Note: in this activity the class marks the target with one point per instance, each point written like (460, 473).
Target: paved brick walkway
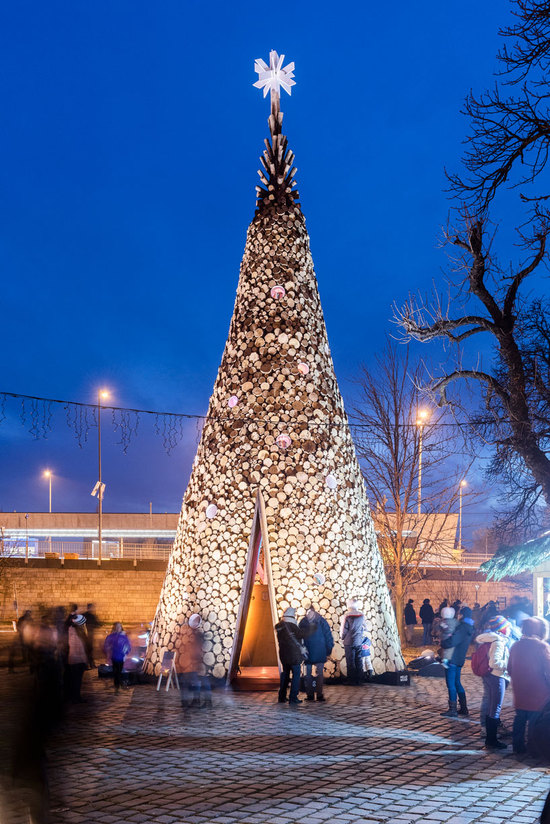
(370, 754)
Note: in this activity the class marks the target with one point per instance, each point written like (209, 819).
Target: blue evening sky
(130, 137)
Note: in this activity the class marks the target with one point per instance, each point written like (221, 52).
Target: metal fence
(76, 550)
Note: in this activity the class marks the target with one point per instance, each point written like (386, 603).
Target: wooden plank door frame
(258, 538)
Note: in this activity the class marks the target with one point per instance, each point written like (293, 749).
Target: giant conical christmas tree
(276, 425)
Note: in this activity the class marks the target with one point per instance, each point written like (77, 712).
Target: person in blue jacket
(459, 642)
(319, 643)
(116, 647)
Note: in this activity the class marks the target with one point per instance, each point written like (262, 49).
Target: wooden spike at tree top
(277, 158)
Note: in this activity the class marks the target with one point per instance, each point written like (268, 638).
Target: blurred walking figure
(410, 621)
(116, 647)
(291, 654)
(495, 647)
(319, 643)
(78, 657)
(529, 668)
(39, 711)
(21, 646)
(194, 684)
(427, 617)
(352, 632)
(92, 623)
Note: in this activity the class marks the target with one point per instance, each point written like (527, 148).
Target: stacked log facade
(276, 379)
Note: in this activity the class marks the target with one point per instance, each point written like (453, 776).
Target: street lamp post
(460, 488)
(102, 393)
(420, 422)
(48, 474)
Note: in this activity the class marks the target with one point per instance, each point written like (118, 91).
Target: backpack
(480, 660)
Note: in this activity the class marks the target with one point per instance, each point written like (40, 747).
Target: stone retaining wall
(120, 590)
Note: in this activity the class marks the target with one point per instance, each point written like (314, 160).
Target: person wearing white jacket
(497, 678)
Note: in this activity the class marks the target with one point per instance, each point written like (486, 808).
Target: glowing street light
(99, 488)
(421, 417)
(463, 483)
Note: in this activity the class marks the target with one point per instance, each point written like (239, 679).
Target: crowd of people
(310, 642)
(61, 644)
(56, 646)
(508, 649)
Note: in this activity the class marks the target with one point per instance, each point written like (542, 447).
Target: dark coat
(529, 668)
(288, 638)
(410, 615)
(460, 640)
(317, 638)
(427, 614)
(353, 628)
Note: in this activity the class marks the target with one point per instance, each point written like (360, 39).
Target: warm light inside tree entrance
(254, 661)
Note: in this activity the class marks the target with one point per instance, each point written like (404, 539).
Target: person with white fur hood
(352, 632)
(496, 678)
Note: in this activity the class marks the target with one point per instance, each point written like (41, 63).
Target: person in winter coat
(497, 678)
(194, 683)
(352, 633)
(319, 643)
(289, 639)
(457, 644)
(116, 648)
(410, 621)
(529, 668)
(427, 616)
(447, 625)
(78, 657)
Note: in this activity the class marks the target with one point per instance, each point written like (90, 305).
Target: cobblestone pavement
(370, 754)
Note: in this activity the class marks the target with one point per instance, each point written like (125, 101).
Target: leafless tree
(509, 138)
(516, 388)
(387, 436)
(508, 145)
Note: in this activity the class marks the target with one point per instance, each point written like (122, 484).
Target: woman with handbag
(291, 654)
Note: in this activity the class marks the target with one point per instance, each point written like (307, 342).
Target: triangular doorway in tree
(254, 662)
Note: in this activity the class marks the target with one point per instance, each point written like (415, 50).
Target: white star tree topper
(271, 78)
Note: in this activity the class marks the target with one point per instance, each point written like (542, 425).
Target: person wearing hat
(78, 658)
(410, 621)
(455, 646)
(352, 633)
(529, 668)
(291, 655)
(497, 678)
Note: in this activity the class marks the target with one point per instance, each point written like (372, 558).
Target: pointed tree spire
(277, 160)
